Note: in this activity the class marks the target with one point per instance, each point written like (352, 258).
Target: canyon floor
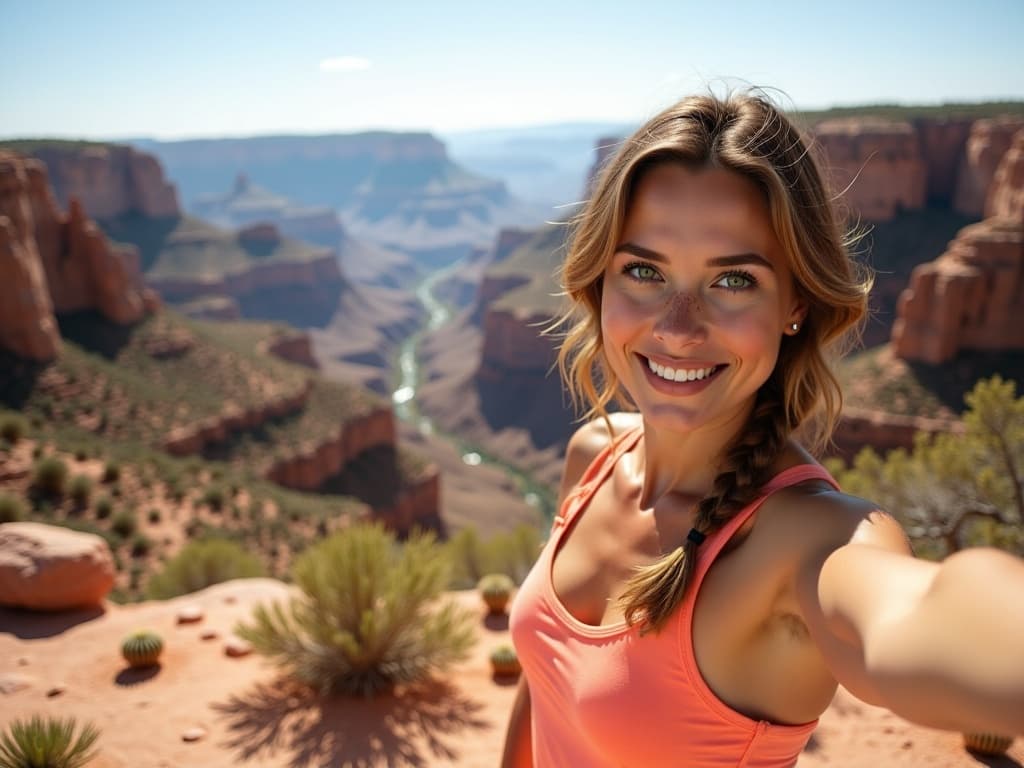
(247, 714)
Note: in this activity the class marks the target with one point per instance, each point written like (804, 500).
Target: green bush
(200, 564)
(140, 545)
(13, 427)
(104, 506)
(368, 616)
(12, 509)
(214, 497)
(80, 490)
(510, 552)
(47, 743)
(50, 476)
(124, 523)
(111, 472)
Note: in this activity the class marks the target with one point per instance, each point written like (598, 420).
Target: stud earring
(794, 327)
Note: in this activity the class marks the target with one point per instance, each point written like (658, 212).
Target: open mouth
(681, 374)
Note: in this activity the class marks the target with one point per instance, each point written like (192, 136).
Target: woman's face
(696, 297)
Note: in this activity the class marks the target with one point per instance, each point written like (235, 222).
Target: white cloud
(344, 64)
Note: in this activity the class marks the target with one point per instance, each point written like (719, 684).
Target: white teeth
(679, 374)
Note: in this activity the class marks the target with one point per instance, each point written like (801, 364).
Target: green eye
(642, 272)
(737, 281)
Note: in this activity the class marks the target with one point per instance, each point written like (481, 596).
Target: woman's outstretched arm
(940, 644)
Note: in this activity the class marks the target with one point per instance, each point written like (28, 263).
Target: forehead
(709, 205)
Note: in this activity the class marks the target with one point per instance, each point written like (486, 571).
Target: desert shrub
(509, 552)
(153, 515)
(50, 476)
(37, 452)
(47, 743)
(368, 616)
(13, 427)
(213, 497)
(112, 472)
(200, 564)
(140, 545)
(80, 490)
(124, 523)
(12, 509)
(81, 454)
(104, 506)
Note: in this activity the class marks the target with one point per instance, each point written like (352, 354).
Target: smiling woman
(706, 585)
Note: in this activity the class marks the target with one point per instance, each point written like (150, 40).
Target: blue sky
(187, 69)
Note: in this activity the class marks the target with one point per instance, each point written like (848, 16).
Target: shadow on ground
(408, 728)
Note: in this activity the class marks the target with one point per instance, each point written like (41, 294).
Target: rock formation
(294, 347)
(970, 297)
(50, 568)
(1005, 197)
(52, 264)
(109, 180)
(882, 431)
(878, 163)
(942, 143)
(986, 146)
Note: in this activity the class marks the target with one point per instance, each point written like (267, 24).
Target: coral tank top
(603, 696)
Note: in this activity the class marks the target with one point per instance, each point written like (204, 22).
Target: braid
(655, 590)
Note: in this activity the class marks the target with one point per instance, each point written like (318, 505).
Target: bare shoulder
(588, 441)
(811, 520)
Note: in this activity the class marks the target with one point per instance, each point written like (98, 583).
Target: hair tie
(695, 536)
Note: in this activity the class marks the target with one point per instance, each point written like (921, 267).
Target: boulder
(46, 567)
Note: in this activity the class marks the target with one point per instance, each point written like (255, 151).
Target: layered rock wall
(109, 180)
(879, 164)
(859, 428)
(970, 298)
(986, 146)
(66, 258)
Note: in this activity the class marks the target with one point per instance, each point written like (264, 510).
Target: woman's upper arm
(855, 584)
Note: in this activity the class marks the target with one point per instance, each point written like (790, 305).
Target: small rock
(209, 634)
(230, 599)
(23, 661)
(190, 614)
(13, 682)
(56, 690)
(907, 744)
(193, 734)
(237, 647)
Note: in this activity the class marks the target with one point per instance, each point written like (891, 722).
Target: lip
(679, 387)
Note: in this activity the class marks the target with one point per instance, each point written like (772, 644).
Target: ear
(797, 314)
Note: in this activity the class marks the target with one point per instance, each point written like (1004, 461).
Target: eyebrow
(732, 260)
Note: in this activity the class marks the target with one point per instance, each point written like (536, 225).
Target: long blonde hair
(747, 134)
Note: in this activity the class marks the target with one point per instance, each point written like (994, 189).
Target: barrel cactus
(987, 743)
(496, 589)
(505, 662)
(142, 648)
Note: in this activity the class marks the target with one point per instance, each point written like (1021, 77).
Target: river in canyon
(406, 380)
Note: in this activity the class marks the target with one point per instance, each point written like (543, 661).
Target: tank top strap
(791, 476)
(595, 474)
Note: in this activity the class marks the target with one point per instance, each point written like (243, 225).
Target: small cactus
(496, 589)
(987, 743)
(142, 648)
(505, 662)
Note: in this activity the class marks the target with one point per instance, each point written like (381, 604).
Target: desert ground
(241, 711)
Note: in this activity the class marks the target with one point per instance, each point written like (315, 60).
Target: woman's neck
(684, 463)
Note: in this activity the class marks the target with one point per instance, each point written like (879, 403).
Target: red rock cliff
(942, 145)
(81, 269)
(1005, 197)
(109, 180)
(878, 163)
(987, 144)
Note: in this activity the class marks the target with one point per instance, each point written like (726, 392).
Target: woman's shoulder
(589, 440)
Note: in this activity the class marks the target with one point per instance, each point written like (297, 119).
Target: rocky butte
(51, 263)
(970, 298)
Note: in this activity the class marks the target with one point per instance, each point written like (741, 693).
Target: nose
(681, 321)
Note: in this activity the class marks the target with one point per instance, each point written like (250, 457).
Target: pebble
(190, 614)
(13, 682)
(209, 634)
(56, 690)
(23, 661)
(193, 734)
(237, 647)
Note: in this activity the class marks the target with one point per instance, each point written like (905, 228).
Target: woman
(706, 584)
